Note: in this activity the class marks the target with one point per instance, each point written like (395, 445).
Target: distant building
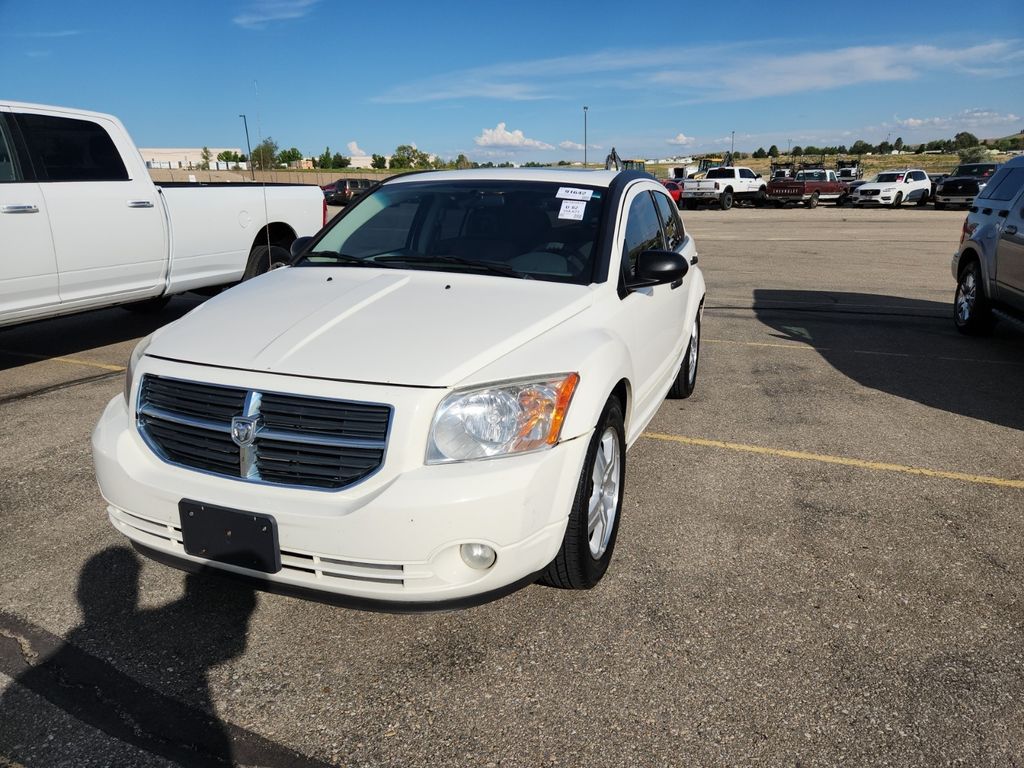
(187, 158)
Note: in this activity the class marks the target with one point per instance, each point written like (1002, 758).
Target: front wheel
(686, 378)
(971, 311)
(812, 202)
(898, 200)
(725, 201)
(593, 524)
(922, 200)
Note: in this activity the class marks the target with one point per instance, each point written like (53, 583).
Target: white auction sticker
(573, 193)
(572, 209)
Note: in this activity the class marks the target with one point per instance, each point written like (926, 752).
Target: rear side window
(670, 219)
(8, 163)
(643, 231)
(65, 149)
(720, 173)
(1004, 186)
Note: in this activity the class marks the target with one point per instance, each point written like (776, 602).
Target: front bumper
(954, 199)
(394, 538)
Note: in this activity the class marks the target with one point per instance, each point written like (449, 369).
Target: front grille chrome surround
(259, 436)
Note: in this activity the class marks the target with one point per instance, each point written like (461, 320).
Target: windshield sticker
(572, 193)
(572, 209)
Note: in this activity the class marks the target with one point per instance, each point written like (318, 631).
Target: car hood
(388, 326)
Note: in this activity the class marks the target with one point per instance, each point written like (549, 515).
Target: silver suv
(989, 264)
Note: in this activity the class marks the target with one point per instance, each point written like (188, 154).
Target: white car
(431, 406)
(894, 188)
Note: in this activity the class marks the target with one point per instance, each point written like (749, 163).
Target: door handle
(1011, 229)
(140, 204)
(19, 209)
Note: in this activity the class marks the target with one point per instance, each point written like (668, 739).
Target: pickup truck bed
(809, 188)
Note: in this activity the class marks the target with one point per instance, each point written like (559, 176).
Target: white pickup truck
(83, 225)
(724, 186)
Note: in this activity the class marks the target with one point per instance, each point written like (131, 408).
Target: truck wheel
(813, 201)
(690, 205)
(594, 518)
(971, 311)
(898, 200)
(842, 200)
(686, 379)
(761, 197)
(725, 201)
(264, 258)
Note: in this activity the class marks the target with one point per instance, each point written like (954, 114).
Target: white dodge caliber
(430, 407)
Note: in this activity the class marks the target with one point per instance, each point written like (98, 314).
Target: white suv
(893, 188)
(431, 405)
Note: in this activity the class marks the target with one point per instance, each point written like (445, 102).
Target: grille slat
(300, 447)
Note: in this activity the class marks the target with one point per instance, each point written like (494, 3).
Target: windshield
(525, 229)
(977, 170)
(888, 178)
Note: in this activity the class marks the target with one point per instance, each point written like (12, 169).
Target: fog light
(478, 556)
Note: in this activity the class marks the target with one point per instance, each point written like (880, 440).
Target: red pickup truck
(809, 186)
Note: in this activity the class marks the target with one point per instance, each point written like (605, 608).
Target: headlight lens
(500, 419)
(129, 374)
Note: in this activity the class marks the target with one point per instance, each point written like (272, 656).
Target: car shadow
(905, 347)
(138, 675)
(59, 336)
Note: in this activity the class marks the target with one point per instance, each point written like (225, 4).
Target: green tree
(797, 151)
(965, 139)
(378, 161)
(973, 154)
(884, 148)
(898, 145)
(841, 149)
(760, 154)
(404, 156)
(264, 155)
(325, 159)
(229, 156)
(861, 147)
(204, 159)
(287, 156)
(919, 150)
(463, 162)
(773, 151)
(340, 161)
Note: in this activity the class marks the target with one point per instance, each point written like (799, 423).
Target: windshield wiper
(343, 258)
(497, 269)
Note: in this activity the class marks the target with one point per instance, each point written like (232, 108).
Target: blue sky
(509, 80)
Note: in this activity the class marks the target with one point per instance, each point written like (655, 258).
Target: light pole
(732, 143)
(584, 136)
(248, 147)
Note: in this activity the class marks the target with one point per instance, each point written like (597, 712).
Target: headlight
(500, 419)
(129, 374)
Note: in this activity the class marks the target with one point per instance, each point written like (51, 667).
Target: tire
(580, 562)
(898, 200)
(842, 200)
(264, 258)
(813, 201)
(972, 313)
(761, 198)
(147, 306)
(940, 206)
(690, 205)
(922, 201)
(686, 378)
(725, 201)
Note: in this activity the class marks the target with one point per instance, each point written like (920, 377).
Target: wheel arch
(277, 232)
(970, 255)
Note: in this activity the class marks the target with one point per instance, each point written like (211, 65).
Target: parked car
(988, 266)
(809, 187)
(83, 226)
(345, 191)
(963, 184)
(430, 406)
(723, 186)
(675, 190)
(893, 188)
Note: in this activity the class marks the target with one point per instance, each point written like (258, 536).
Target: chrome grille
(296, 440)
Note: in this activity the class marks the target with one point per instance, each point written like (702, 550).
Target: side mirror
(299, 245)
(658, 268)
(758, 176)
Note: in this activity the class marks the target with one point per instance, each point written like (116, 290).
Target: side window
(746, 174)
(63, 149)
(670, 220)
(1004, 186)
(8, 162)
(643, 231)
(919, 176)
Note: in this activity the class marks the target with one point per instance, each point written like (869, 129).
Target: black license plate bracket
(232, 536)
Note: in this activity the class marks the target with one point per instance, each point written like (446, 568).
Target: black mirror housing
(299, 245)
(658, 268)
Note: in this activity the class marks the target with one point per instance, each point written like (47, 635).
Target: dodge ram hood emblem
(243, 430)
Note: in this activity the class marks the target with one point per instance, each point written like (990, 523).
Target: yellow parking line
(877, 466)
(68, 360)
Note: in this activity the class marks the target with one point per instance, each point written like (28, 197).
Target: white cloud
(353, 149)
(974, 118)
(681, 140)
(46, 35)
(501, 137)
(261, 12)
(576, 145)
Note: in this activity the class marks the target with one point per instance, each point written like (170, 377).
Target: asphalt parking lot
(819, 563)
